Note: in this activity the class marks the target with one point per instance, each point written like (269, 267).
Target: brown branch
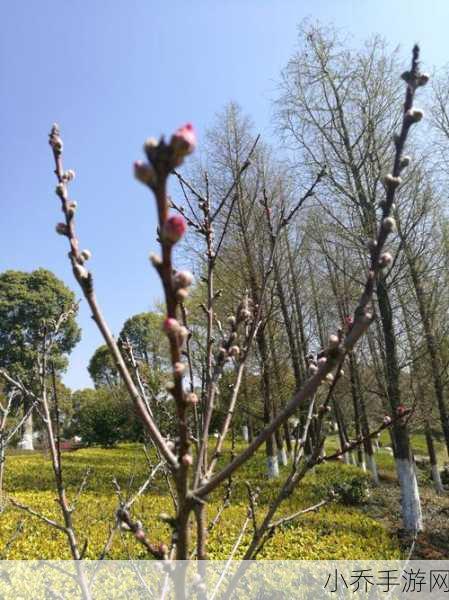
(84, 278)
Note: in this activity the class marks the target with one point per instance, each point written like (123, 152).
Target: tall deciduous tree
(340, 107)
(27, 300)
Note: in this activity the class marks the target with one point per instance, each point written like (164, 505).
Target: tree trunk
(27, 441)
(282, 454)
(356, 404)
(405, 464)
(364, 423)
(433, 461)
(271, 450)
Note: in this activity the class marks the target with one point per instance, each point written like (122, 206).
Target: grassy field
(337, 531)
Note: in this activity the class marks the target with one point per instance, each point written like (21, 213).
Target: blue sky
(113, 73)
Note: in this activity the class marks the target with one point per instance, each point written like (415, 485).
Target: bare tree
(338, 106)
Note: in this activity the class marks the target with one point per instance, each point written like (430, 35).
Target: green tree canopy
(104, 418)
(102, 368)
(144, 332)
(26, 301)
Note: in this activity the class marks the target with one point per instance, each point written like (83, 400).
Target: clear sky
(112, 73)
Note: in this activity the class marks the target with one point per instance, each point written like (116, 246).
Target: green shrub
(104, 417)
(348, 484)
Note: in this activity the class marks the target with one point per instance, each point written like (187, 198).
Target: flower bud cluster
(182, 280)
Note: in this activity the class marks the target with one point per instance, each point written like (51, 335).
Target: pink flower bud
(183, 141)
(174, 228)
(183, 279)
(387, 420)
(170, 326)
(144, 172)
(385, 260)
(401, 410)
(187, 460)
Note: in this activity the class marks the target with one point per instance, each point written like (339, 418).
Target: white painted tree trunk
(437, 479)
(362, 464)
(26, 443)
(282, 456)
(410, 500)
(245, 433)
(372, 466)
(272, 467)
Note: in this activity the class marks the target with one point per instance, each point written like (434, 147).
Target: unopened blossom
(385, 260)
(183, 141)
(183, 279)
(86, 254)
(187, 460)
(389, 224)
(174, 228)
(170, 325)
(144, 172)
(62, 229)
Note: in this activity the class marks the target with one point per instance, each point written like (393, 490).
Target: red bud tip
(170, 325)
(174, 228)
(184, 139)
